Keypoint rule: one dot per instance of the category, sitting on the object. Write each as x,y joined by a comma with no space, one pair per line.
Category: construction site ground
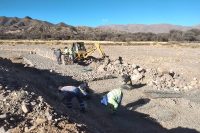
174,111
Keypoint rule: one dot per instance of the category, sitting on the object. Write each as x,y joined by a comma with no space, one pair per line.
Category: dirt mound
109,69
158,79
24,107
170,81
22,111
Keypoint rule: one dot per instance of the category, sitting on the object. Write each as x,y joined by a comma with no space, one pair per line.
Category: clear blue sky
102,12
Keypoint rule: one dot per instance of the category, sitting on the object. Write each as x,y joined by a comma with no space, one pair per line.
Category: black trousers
69,96
59,59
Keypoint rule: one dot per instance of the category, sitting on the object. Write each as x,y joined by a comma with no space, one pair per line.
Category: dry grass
66,42
58,42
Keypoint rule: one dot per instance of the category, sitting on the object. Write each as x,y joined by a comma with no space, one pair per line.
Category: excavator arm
93,49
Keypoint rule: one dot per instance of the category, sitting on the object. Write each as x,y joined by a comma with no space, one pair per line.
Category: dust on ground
164,99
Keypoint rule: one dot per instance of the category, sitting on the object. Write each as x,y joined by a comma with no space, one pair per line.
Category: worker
113,100
58,56
70,92
66,51
71,54
126,82
65,56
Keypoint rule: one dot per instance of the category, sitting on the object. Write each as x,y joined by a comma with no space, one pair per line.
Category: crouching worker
113,100
70,92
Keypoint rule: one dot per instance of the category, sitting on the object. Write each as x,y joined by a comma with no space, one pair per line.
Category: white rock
2,130
134,66
33,103
26,129
136,78
48,115
40,98
3,116
176,89
140,69
190,87
25,108
195,78
185,88
136,71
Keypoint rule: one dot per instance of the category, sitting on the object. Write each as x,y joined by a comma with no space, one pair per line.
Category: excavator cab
79,50
78,47
81,54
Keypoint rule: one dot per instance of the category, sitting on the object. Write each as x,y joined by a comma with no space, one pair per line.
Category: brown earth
140,112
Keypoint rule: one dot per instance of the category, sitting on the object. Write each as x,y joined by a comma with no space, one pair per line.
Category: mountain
197,26
29,28
32,28
154,28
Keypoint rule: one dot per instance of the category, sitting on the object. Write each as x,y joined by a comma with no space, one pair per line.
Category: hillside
32,28
154,28
28,28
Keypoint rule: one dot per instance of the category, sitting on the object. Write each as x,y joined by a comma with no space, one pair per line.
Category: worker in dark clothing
58,54
69,92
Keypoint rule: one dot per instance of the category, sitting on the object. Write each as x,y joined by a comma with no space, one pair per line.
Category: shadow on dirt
182,130
14,76
44,83
137,86
88,61
10,120
138,103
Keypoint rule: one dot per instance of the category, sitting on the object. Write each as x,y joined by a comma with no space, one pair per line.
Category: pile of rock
118,67
156,78
23,111
169,81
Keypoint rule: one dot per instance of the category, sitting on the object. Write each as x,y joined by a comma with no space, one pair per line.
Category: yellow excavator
80,53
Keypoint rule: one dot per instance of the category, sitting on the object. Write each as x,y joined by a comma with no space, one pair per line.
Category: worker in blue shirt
70,92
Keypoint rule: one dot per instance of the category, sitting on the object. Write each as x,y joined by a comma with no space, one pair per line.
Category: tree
175,35
189,36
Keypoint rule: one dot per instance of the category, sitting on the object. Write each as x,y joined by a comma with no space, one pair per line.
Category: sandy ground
139,112
186,61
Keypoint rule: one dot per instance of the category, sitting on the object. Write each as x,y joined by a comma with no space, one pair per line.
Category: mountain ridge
29,28
154,28
131,28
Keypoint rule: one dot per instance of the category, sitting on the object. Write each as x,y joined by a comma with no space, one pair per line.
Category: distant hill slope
33,28
28,28
154,28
